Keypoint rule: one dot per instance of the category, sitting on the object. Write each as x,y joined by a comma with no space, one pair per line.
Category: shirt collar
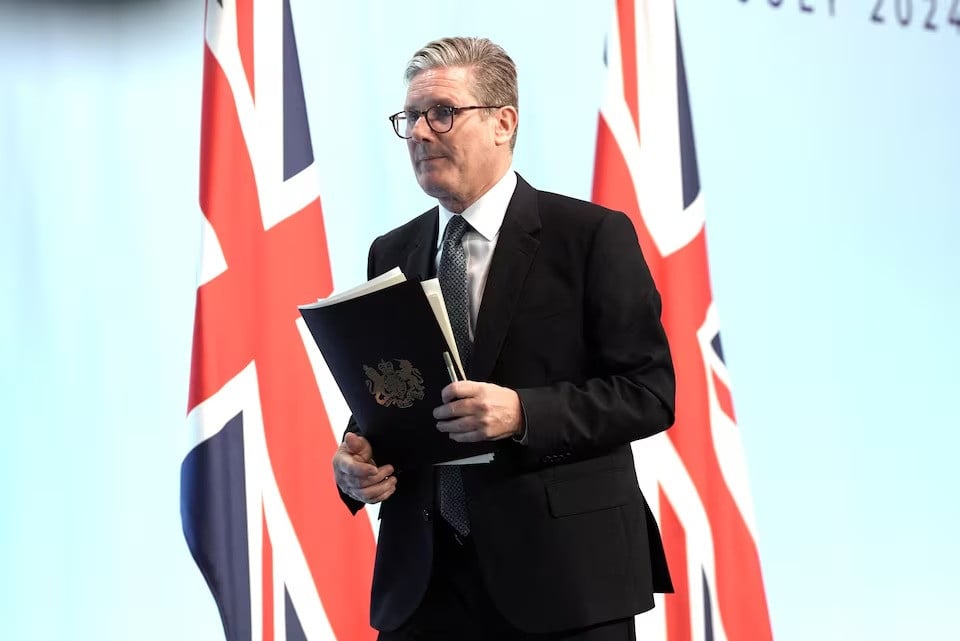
485,215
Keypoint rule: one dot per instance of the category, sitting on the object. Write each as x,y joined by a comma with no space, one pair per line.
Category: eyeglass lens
439,119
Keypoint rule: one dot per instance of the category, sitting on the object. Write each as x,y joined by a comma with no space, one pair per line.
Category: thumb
356,444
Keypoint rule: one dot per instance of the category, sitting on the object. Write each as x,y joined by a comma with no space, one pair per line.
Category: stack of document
389,345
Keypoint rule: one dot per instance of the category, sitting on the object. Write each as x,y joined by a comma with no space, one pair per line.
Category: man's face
459,166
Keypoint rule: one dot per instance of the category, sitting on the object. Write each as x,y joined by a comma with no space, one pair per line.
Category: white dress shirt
485,217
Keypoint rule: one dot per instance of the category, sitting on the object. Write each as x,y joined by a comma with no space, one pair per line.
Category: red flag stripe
724,398
675,545
628,45
245,40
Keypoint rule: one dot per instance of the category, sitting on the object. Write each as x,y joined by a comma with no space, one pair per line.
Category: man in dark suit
557,321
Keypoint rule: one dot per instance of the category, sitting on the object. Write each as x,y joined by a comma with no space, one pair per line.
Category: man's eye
443,112
411,115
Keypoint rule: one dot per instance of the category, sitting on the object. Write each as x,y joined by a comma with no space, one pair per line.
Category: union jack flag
261,514
694,474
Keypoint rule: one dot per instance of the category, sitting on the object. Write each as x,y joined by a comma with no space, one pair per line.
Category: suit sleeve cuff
524,427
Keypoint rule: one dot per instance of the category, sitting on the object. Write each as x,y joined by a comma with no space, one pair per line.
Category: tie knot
456,228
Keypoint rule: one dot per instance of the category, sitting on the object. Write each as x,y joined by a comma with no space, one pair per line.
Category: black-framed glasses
439,118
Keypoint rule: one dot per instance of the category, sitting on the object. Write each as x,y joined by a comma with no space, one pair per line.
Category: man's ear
507,119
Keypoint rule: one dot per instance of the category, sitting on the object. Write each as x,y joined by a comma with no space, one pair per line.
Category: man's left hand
479,412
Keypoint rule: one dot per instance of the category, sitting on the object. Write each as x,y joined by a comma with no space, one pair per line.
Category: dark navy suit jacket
570,319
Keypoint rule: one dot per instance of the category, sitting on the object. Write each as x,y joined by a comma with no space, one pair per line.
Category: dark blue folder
385,350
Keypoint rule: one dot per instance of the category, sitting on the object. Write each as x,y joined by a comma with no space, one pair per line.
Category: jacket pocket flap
598,491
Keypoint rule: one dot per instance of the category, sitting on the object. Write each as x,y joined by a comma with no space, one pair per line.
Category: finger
368,494
346,467
383,497
347,461
369,477
457,425
455,409
382,474
358,446
443,412
351,486
459,389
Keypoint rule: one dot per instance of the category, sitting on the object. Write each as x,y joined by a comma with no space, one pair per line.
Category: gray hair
493,72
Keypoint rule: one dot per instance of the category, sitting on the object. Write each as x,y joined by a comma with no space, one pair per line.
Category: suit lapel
421,252
516,248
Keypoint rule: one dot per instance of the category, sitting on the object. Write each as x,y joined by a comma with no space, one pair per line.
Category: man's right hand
357,475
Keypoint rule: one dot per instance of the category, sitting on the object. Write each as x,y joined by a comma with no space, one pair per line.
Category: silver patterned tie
453,282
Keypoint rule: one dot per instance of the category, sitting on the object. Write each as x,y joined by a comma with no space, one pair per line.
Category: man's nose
421,130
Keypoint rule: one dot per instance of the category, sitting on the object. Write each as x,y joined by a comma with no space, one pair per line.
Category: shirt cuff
522,437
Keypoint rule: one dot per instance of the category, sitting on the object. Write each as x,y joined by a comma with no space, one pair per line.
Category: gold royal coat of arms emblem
400,385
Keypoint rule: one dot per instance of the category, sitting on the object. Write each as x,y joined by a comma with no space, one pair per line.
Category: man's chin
431,186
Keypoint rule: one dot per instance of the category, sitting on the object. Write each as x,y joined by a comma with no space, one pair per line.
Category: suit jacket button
426,515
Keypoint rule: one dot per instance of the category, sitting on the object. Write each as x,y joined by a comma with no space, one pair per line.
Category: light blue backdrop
828,156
